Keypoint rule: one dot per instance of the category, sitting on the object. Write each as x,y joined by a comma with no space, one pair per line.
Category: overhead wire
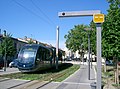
42,12
30,11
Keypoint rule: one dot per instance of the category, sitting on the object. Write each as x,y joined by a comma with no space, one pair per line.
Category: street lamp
88,29
82,53
91,55
4,34
57,46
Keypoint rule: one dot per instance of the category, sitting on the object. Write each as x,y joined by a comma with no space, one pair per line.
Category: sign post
99,61
98,19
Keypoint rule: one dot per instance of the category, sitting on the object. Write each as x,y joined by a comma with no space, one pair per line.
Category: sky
39,19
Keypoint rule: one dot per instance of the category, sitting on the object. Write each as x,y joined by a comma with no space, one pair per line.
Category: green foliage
7,46
111,30
93,36
75,38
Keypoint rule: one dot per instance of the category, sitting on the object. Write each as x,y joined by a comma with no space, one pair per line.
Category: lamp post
89,59
4,34
81,52
88,56
91,56
57,46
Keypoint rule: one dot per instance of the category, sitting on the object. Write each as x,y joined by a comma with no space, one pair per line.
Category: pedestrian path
81,76
80,79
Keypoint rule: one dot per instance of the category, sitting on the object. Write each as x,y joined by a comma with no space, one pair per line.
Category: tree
93,36
75,38
111,33
7,46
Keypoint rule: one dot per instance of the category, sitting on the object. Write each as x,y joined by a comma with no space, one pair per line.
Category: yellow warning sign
98,18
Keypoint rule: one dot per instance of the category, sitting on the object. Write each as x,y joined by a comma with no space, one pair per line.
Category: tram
35,57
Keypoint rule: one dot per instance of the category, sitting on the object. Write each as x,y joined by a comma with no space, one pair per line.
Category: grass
59,75
116,85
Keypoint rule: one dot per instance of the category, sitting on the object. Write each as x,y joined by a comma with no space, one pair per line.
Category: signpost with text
98,19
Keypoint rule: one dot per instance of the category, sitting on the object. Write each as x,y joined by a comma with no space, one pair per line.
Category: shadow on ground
61,67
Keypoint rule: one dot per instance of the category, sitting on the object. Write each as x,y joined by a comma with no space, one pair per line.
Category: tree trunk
115,76
105,67
116,71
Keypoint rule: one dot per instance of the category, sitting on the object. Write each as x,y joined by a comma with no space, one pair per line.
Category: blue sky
39,18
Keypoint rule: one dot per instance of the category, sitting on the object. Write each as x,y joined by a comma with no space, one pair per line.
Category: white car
13,63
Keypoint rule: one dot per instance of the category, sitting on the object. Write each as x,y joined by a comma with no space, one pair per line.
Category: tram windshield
27,56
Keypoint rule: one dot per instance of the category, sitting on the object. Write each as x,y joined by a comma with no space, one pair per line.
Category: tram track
32,84
12,87
7,83
36,84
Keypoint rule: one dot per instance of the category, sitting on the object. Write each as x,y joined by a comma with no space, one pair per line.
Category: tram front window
28,54
27,57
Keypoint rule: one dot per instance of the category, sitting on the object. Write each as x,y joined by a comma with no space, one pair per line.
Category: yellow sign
98,18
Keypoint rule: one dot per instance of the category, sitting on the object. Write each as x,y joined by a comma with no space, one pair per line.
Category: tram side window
42,57
47,55
44,54
39,55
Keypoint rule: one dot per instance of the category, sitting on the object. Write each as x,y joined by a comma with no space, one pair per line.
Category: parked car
13,63
109,62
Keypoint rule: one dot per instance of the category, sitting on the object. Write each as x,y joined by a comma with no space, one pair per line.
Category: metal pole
88,56
98,56
4,34
57,46
91,56
0,31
